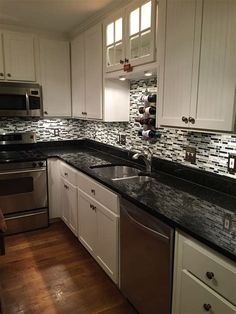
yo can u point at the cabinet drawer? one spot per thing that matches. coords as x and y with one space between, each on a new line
197 298
97 191
211 268
69 173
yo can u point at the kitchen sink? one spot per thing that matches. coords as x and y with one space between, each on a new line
135 179
116 172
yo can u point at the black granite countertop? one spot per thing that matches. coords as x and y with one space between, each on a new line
197 209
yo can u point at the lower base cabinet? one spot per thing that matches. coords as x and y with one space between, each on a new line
98 232
204 280
69 205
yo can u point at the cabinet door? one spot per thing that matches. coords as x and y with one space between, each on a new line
1 59
196 298
107 241
69 205
78 76
55 75
141 23
54 185
64 202
114 43
87 222
19 56
93 70
214 108
176 59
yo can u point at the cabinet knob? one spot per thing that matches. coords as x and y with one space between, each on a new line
122 61
9 74
1 74
65 173
207 307
185 119
191 120
66 186
93 191
45 112
126 60
85 113
210 275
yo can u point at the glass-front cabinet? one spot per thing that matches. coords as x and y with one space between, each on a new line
129 36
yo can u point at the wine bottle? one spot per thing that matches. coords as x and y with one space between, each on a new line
149 98
148 121
148 134
147 110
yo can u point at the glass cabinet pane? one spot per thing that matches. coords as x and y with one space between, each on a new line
118 52
145 49
134 47
118 30
110 55
134 22
146 15
110 34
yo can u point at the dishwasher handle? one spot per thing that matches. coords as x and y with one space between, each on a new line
146 222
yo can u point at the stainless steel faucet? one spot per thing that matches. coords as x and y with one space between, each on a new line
147 158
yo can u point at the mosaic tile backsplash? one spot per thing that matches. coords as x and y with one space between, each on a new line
212 149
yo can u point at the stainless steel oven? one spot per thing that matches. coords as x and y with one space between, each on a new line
23 195
20 99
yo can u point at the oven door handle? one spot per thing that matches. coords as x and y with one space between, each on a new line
23 171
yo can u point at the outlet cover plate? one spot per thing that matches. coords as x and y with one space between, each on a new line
232 164
190 154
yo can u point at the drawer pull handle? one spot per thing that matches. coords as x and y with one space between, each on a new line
207 307
185 119
93 191
210 275
66 174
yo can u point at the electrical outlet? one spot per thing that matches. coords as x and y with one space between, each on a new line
227 222
123 139
56 132
190 154
232 164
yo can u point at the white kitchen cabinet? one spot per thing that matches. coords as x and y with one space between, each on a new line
19 57
55 77
78 76
129 35
54 185
92 96
87 79
87 231
2 76
69 204
98 232
204 280
197 64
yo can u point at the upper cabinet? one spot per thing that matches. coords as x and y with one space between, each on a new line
17 57
55 77
87 79
93 97
129 36
198 64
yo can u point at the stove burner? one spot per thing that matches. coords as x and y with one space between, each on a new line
20 155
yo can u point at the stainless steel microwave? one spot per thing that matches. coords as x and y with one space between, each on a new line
20 100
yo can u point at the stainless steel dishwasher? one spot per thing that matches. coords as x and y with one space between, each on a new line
146 260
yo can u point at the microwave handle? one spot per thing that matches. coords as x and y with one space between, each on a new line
27 103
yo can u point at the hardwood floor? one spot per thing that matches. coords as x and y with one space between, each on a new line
49 271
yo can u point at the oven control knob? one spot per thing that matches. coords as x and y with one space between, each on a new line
34 164
40 164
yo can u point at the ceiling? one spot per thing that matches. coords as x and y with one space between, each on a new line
52 15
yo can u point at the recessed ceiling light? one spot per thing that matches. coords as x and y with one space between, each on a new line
122 78
148 73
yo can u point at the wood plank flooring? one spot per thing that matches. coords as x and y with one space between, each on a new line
49 271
